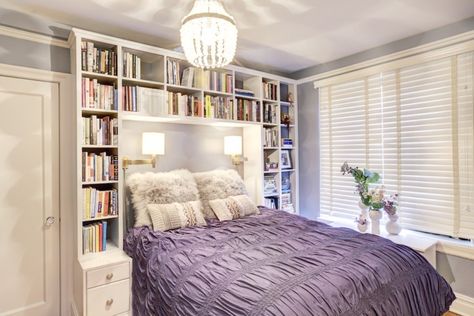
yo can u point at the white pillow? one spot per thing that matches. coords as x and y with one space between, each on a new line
218 184
176 186
233 207
176 215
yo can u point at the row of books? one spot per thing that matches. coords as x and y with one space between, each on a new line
173 71
100 60
141 99
248 110
94 237
99 130
219 107
217 81
96 95
131 66
270 113
184 105
270 137
270 91
98 204
99 167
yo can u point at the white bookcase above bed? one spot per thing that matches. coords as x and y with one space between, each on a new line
119 81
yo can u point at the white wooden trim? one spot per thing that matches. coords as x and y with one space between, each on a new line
391 57
65 198
32 37
463 305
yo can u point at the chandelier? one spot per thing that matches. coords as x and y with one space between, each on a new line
209 35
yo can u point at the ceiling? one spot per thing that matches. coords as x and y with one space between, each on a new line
280 36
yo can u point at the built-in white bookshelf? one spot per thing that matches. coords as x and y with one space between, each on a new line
154 85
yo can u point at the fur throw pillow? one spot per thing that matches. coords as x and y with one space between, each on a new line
218 184
160 188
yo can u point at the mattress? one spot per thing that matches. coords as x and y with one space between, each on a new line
279 264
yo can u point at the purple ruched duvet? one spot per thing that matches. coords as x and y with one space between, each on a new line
279 264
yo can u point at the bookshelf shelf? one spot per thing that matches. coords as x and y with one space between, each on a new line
99 183
89 220
287 170
178 88
237 96
99 76
271 172
99 147
98 111
218 93
270 148
270 101
143 83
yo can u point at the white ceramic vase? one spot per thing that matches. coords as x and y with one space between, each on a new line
375 216
363 217
393 228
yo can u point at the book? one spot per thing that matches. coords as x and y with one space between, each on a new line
270 137
99 130
244 93
131 66
96 95
173 71
97 59
184 104
248 110
219 107
270 113
99 167
99 203
144 100
270 91
94 237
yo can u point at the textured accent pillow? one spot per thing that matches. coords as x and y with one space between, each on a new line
218 184
160 188
176 215
233 207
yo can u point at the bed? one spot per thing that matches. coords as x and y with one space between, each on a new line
279 264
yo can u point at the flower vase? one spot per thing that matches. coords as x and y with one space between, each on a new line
375 216
362 223
393 228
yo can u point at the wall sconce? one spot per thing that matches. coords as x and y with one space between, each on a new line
152 144
233 148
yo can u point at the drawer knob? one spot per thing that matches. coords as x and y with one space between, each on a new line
109 301
109 276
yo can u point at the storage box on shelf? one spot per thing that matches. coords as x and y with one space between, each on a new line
118 81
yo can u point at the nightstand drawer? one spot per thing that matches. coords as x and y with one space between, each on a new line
110 299
108 275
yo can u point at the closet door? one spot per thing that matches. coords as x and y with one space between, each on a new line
29 200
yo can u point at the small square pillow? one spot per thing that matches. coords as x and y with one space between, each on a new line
218 184
176 215
160 188
233 207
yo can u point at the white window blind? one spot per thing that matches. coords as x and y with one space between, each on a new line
415 126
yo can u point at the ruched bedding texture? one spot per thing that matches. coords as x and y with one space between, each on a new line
279 264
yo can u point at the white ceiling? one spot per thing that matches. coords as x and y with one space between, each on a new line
274 35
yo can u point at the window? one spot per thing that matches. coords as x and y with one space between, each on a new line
415 126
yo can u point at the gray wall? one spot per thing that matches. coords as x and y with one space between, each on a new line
19 52
308 138
459 272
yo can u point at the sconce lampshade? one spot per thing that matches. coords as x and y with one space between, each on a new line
153 144
233 145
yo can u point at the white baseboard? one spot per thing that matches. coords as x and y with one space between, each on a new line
463 305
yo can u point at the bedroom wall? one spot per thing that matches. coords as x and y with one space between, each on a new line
458 271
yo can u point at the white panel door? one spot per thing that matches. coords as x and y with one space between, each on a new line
29 200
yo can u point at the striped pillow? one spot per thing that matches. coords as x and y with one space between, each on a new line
233 207
176 215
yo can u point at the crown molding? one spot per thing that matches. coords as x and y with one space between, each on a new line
32 37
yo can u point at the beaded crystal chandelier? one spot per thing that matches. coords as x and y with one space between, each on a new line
209 35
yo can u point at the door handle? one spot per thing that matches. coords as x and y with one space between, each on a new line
50 220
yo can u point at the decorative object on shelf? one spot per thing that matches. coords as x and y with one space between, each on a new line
285 119
285 182
271 166
209 35
287 143
375 216
270 185
152 144
362 223
285 159
233 148
290 97
374 199
391 208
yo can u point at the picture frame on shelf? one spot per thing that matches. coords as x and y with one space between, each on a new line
270 186
285 159
285 182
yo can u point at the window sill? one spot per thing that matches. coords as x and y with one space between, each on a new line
414 239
